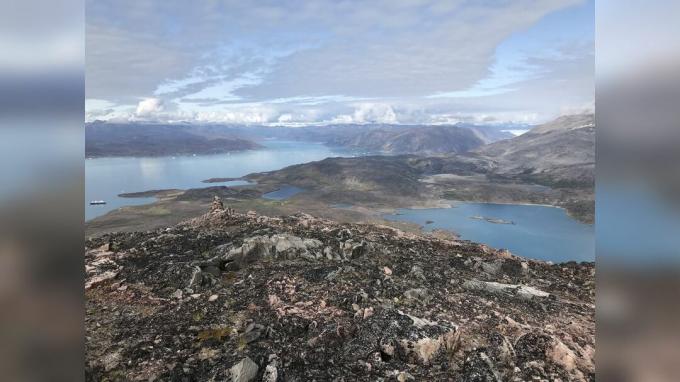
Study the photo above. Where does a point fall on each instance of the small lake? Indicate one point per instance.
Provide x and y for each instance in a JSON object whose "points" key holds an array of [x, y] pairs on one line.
{"points": [[283, 193], [537, 232], [105, 178]]}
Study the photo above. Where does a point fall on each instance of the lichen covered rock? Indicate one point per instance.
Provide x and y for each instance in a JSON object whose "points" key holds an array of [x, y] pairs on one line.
{"points": [[231, 296]]}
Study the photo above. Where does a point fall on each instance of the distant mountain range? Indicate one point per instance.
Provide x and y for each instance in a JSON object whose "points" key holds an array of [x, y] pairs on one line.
{"points": [[422, 140], [116, 140], [148, 139]]}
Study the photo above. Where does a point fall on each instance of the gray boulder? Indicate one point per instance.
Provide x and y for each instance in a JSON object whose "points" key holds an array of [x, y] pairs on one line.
{"points": [[244, 371]]}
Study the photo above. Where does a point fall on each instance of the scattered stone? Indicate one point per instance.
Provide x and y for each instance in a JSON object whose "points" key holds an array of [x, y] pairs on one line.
{"points": [[520, 291], [244, 371], [416, 294], [417, 273], [271, 373], [561, 355], [318, 292], [177, 294], [417, 340], [492, 268], [478, 367], [111, 360], [352, 249], [404, 376], [213, 298], [328, 252], [100, 278]]}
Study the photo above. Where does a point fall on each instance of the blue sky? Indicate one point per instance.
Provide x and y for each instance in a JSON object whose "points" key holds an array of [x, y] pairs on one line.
{"points": [[306, 62]]}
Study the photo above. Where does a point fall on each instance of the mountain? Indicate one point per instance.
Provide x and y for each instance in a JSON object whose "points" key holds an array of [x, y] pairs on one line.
{"points": [[113, 140], [423, 140], [246, 297], [552, 164], [153, 139], [560, 152], [350, 179]]}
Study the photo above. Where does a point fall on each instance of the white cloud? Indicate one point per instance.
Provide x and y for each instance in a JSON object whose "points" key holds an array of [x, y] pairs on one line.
{"points": [[244, 115], [149, 107], [341, 119], [297, 63], [284, 118], [374, 113], [395, 112]]}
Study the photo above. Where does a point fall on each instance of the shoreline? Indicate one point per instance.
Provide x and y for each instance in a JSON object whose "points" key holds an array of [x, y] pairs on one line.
{"points": [[444, 205]]}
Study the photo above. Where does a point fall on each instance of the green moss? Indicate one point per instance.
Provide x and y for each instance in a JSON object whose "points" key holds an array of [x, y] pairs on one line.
{"points": [[216, 334], [242, 343], [228, 277]]}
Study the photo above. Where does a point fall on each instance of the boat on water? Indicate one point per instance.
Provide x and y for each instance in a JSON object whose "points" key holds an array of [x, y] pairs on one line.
{"points": [[97, 202]]}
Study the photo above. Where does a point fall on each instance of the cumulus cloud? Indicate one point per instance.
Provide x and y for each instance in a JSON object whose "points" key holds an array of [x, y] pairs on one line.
{"points": [[374, 113], [285, 118], [433, 112], [244, 115], [149, 107], [341, 119]]}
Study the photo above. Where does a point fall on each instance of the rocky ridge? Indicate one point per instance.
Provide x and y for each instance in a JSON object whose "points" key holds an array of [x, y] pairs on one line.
{"points": [[242, 297]]}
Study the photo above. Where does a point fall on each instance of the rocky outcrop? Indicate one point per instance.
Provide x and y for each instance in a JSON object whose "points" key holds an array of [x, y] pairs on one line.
{"points": [[244, 297], [244, 371], [523, 292], [393, 334]]}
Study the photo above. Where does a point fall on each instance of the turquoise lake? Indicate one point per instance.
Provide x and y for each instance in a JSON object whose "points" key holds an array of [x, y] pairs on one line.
{"points": [[538, 232], [283, 193]]}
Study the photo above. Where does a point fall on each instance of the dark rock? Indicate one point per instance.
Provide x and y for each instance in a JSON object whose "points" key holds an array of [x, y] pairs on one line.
{"points": [[212, 270], [532, 347], [478, 367], [310, 299]]}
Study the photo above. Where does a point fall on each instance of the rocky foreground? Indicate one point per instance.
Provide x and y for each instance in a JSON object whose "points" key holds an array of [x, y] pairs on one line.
{"points": [[241, 297]]}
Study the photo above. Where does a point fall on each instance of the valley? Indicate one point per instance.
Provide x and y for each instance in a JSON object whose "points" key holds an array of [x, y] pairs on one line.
{"points": [[505, 171]]}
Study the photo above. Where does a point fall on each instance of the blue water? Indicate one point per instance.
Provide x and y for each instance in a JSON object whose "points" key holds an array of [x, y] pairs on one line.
{"points": [[538, 232], [638, 225], [283, 193], [105, 178]]}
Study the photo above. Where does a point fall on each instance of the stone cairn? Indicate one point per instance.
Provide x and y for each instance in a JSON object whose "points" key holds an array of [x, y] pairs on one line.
{"points": [[218, 206]]}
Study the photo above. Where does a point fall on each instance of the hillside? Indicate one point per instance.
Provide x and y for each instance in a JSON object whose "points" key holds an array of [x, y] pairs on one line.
{"points": [[552, 164], [115, 140], [423, 140], [242, 297], [146, 139], [561, 153], [353, 176]]}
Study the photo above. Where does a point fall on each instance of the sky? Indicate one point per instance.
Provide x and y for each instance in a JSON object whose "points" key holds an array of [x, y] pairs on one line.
{"points": [[339, 61]]}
